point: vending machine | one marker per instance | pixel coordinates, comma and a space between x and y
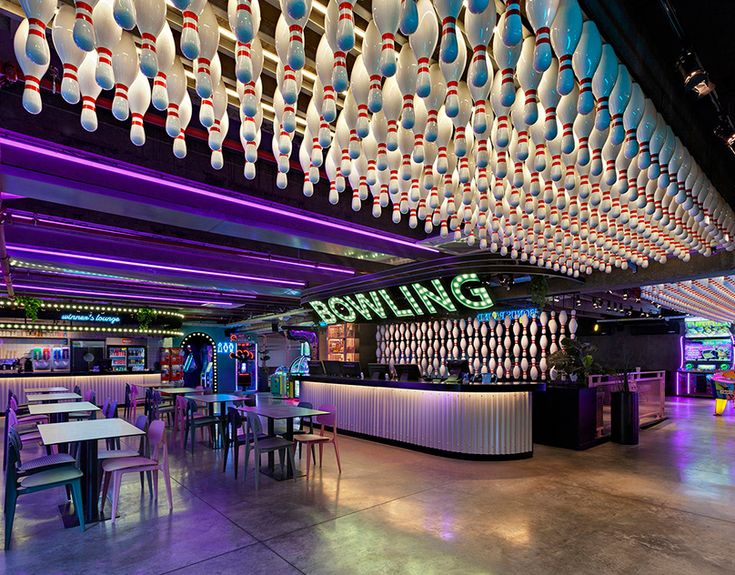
706, 347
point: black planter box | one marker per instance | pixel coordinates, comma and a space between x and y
566, 416
625, 417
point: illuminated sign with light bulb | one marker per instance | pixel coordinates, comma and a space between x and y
420, 299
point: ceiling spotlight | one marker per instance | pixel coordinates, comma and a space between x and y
696, 79
726, 132
578, 302
506, 280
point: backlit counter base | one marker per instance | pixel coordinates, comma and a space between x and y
489, 422
109, 385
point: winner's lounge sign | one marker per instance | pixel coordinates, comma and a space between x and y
420, 299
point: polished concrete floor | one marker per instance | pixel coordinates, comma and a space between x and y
665, 506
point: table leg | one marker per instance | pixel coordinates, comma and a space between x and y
289, 436
90, 487
271, 455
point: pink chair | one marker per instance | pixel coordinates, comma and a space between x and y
132, 408
321, 438
114, 469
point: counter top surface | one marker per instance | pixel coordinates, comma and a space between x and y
12, 374
501, 387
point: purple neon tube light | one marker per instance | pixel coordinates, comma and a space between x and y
211, 194
282, 261
131, 263
119, 295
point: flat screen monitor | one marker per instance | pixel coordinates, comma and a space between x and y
408, 372
378, 370
352, 369
333, 368
316, 367
457, 368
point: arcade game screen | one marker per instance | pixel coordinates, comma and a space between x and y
716, 350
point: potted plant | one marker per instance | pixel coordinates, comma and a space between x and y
565, 414
575, 361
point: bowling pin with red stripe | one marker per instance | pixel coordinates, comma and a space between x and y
39, 14
70, 54
32, 72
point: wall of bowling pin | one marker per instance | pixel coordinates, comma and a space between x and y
512, 349
536, 144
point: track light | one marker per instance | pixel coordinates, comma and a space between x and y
726, 132
696, 79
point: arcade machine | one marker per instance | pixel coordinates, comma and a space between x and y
308, 350
246, 363
198, 363
706, 347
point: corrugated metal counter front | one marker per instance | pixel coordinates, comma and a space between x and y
468, 421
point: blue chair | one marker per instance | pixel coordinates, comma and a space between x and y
16, 485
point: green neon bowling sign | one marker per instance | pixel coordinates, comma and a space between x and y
420, 299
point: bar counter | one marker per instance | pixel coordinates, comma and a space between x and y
472, 421
105, 385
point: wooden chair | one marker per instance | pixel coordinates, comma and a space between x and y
322, 438
114, 469
56, 476
259, 444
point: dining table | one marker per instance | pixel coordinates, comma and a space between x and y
211, 400
86, 432
177, 390
58, 389
52, 397
59, 412
273, 413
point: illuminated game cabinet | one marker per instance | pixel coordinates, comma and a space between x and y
706, 347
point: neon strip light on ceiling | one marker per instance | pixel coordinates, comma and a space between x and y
130, 173
131, 263
120, 295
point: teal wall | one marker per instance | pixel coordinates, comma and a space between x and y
225, 365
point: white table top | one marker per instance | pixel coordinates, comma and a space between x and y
47, 390
151, 385
50, 408
52, 396
215, 397
176, 390
88, 430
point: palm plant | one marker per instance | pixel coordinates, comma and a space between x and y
576, 360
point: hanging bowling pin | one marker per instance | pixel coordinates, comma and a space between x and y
386, 14
139, 98
150, 16
448, 11
511, 28
166, 52
541, 14
70, 54
423, 43
566, 30
108, 35
585, 60
479, 29
124, 13
90, 90
244, 19
190, 42
39, 14
32, 72
184, 119
84, 28
125, 70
